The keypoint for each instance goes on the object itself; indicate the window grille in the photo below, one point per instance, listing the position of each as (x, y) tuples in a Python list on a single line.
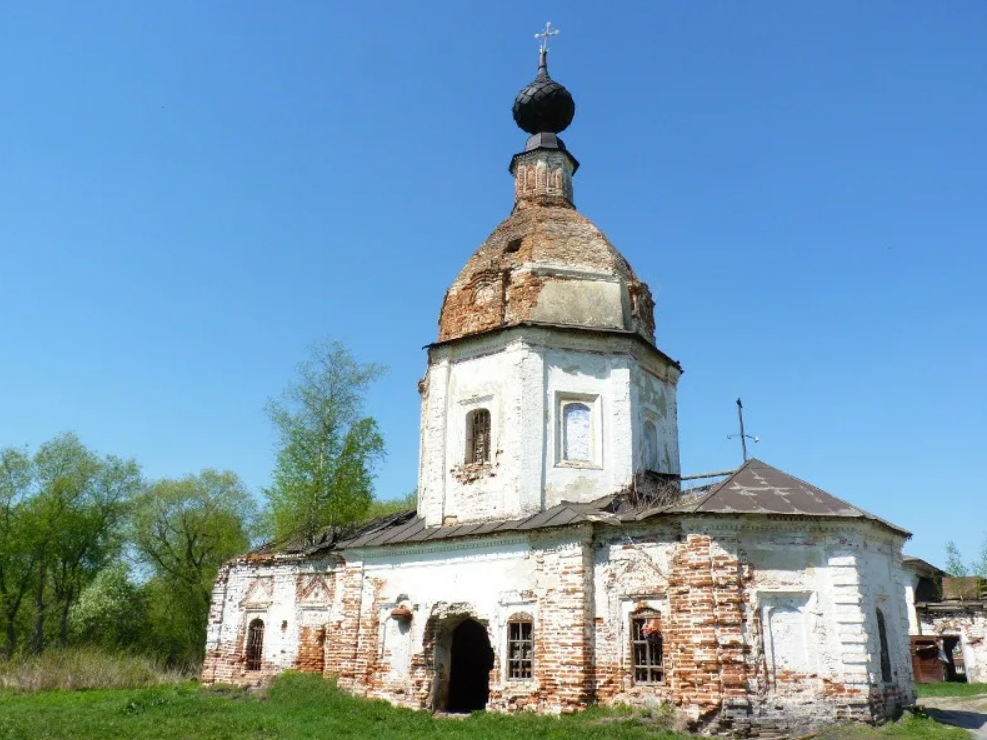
[(255, 644), (646, 644), (520, 649), (882, 633), (478, 446)]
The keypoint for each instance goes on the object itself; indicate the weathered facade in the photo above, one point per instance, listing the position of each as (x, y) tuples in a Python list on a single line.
[(554, 560), (950, 615)]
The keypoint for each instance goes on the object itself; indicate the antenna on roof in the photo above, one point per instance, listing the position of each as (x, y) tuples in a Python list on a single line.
[(743, 437)]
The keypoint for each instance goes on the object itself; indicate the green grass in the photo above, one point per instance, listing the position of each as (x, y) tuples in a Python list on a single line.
[(301, 707), (951, 689), (84, 668)]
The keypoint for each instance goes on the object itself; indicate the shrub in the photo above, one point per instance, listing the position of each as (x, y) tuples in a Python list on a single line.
[(84, 668)]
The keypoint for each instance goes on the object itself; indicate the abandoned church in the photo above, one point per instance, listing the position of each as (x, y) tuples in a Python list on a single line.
[(555, 559)]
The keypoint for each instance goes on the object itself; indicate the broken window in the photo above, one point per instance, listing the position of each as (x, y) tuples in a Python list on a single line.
[(882, 634), (577, 444), (255, 644), (646, 647), (478, 437), (520, 648)]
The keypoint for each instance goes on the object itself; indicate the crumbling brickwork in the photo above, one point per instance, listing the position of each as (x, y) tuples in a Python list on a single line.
[(382, 628)]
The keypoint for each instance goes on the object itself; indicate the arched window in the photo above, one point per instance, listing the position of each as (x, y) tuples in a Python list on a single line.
[(520, 647), (647, 647), (650, 446), (577, 442), (882, 635), (478, 437), (255, 644)]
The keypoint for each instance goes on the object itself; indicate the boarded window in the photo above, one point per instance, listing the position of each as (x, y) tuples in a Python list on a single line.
[(576, 439), (646, 647), (520, 649), (478, 437), (650, 446), (882, 635), (255, 645)]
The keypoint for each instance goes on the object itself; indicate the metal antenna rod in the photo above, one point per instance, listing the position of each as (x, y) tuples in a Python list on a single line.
[(743, 436)]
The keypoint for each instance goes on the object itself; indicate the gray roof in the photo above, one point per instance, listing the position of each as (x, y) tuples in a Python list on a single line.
[(758, 488), (919, 564)]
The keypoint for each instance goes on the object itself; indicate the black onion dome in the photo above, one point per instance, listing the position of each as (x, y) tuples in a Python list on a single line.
[(544, 106)]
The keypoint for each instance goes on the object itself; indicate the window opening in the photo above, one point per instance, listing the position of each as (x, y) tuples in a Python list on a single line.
[(882, 634), (646, 643), (576, 440), (478, 437), (255, 644), (520, 649)]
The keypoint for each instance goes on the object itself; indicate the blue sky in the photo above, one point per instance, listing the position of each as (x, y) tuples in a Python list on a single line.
[(192, 192)]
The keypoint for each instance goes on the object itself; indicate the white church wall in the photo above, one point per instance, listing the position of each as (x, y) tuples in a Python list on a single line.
[(532, 381)]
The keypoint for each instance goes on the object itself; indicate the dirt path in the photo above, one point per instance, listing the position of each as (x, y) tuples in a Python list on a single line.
[(968, 712)]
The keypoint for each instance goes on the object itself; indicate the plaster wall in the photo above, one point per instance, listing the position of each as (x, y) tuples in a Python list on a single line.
[(524, 377)]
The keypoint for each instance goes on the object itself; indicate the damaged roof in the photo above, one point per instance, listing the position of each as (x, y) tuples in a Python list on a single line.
[(758, 488), (754, 489)]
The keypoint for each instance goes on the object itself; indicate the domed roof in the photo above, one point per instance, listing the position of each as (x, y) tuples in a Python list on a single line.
[(547, 265), (544, 106)]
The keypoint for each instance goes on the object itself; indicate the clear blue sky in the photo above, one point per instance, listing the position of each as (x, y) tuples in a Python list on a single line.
[(191, 192)]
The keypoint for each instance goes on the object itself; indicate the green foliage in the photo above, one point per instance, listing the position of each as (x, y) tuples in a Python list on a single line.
[(184, 530), (380, 508), (328, 448), (111, 612), (954, 561), (83, 668), (61, 513), (305, 707), (951, 688)]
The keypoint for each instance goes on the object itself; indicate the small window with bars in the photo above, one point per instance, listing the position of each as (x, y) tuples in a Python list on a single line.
[(646, 646), (255, 645), (478, 437), (520, 649)]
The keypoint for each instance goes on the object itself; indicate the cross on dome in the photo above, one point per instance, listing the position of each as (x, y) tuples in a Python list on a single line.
[(546, 35)]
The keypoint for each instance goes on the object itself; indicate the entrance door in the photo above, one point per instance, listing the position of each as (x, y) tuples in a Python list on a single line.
[(469, 675)]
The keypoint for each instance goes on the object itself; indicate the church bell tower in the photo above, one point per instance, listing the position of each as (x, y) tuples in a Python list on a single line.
[(545, 385)]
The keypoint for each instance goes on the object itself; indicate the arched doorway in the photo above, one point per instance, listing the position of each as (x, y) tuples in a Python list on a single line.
[(470, 664)]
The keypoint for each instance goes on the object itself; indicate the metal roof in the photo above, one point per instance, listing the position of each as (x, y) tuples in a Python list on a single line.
[(754, 489), (758, 488)]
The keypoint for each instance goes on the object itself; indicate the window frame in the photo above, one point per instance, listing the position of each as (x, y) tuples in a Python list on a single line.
[(649, 667), (253, 651), (593, 403), (470, 451), (520, 668)]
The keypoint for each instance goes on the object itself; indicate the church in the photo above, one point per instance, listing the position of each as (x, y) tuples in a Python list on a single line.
[(555, 559)]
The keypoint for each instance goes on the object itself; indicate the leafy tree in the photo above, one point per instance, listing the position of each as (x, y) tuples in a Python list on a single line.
[(183, 530), (954, 561), (328, 448), (111, 612), (18, 563), (379, 508)]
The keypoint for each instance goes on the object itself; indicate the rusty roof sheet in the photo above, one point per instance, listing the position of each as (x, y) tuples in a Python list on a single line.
[(758, 488)]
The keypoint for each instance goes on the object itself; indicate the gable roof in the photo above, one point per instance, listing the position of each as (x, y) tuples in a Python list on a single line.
[(758, 488)]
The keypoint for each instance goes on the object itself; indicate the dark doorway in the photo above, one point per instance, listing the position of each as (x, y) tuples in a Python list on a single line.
[(469, 674)]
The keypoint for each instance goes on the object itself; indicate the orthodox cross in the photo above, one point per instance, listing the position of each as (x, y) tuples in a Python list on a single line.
[(546, 35), (743, 437)]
